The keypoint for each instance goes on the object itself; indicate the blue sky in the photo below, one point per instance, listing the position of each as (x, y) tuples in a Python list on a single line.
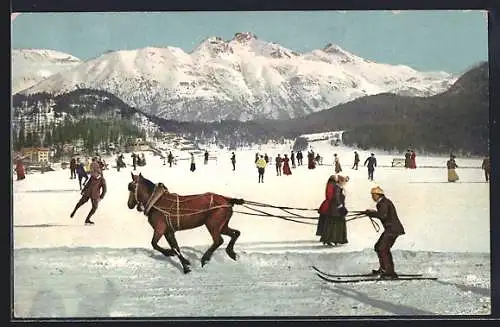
[(451, 41)]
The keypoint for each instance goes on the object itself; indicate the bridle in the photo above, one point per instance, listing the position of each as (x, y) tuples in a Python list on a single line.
[(139, 204)]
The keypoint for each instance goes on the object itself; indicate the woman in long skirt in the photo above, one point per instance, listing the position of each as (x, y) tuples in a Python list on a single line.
[(332, 225), (451, 165)]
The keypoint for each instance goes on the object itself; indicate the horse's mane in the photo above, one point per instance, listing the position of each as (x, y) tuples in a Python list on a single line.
[(149, 184)]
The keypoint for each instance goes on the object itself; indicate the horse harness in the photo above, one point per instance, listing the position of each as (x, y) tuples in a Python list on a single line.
[(158, 192)]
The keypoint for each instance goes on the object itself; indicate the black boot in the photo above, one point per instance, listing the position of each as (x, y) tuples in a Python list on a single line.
[(88, 222)]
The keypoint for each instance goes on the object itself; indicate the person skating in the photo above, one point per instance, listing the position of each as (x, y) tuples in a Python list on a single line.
[(205, 156), (371, 163), (81, 173), (261, 167), (300, 156), (72, 168), (95, 191), (292, 158), (170, 158), (278, 162), (407, 158), (336, 162), (20, 171), (286, 166), (451, 165), (356, 161), (193, 164), (486, 167), (386, 212), (233, 161), (413, 160)]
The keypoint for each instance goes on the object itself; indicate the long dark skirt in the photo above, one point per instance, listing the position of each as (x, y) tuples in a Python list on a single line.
[(321, 225), (334, 230)]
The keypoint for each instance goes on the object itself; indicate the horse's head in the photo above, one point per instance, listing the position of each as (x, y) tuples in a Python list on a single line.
[(134, 189)]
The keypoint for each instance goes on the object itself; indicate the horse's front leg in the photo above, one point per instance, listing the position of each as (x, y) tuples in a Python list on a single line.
[(170, 236), (159, 230)]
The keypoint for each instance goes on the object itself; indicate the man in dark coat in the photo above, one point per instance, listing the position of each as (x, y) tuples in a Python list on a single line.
[(205, 157), (82, 174), (72, 168), (356, 160), (393, 228), (371, 163), (299, 158), (170, 158), (486, 167), (407, 158), (233, 160), (292, 158), (95, 192)]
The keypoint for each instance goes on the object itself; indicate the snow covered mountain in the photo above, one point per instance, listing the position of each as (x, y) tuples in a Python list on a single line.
[(243, 78), (30, 66)]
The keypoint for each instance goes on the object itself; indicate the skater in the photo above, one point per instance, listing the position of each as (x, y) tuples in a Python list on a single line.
[(205, 161), (278, 165), (261, 168), (336, 162), (233, 161), (120, 163), (134, 161), (170, 158), (82, 174), (356, 161), (286, 166), (20, 169), (413, 161), (299, 158), (193, 164), (332, 224), (407, 158), (292, 158), (72, 168), (94, 190), (452, 165), (393, 228), (372, 163), (486, 167), (266, 158), (310, 160)]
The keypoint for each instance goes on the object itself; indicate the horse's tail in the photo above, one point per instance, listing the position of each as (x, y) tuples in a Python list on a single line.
[(234, 201)]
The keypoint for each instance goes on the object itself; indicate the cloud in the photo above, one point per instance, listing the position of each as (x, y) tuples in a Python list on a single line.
[(14, 15)]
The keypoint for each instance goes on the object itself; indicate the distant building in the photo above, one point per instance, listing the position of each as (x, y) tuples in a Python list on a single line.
[(36, 155)]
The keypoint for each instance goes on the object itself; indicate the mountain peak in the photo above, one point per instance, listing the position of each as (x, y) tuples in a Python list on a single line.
[(244, 36)]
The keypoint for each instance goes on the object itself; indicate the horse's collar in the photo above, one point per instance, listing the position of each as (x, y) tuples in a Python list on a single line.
[(158, 191)]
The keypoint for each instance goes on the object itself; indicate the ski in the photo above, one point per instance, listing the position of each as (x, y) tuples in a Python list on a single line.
[(373, 279), (359, 275)]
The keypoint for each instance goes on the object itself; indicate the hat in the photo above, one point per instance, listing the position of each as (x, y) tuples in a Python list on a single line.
[(343, 179), (377, 190)]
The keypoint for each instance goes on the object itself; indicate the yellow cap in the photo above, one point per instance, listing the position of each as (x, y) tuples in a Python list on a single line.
[(377, 190)]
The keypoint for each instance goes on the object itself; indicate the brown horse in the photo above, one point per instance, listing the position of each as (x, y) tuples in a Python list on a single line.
[(170, 212)]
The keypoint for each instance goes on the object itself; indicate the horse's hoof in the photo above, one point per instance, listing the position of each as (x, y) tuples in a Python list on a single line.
[(232, 255)]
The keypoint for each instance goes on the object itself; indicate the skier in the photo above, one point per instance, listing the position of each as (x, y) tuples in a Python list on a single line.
[(393, 228), (372, 163)]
